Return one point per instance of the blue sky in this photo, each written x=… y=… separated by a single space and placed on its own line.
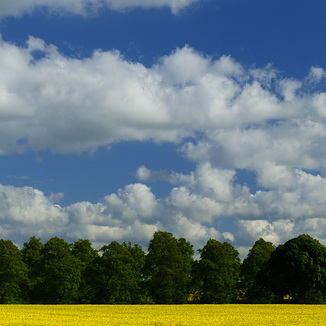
x=205 y=118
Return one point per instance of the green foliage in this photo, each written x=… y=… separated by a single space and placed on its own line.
x=297 y=269
x=61 y=273
x=168 y=268
x=218 y=272
x=82 y=250
x=256 y=260
x=32 y=256
x=13 y=274
x=58 y=272
x=119 y=274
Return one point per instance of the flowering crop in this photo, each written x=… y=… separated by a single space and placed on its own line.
x=90 y=315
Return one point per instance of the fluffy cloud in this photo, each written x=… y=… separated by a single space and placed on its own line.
x=194 y=209
x=233 y=118
x=26 y=211
x=209 y=195
x=145 y=174
x=175 y=5
x=131 y=214
x=85 y=7
x=71 y=105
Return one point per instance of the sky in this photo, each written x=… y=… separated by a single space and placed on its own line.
x=204 y=118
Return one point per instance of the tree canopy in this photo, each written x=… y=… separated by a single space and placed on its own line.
x=218 y=272
x=296 y=269
x=61 y=272
x=13 y=274
x=123 y=273
x=120 y=273
x=256 y=260
x=168 y=267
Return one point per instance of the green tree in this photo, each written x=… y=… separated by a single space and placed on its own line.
x=297 y=269
x=13 y=274
x=256 y=260
x=32 y=252
x=168 y=267
x=82 y=250
x=119 y=274
x=139 y=257
x=218 y=272
x=61 y=273
x=183 y=282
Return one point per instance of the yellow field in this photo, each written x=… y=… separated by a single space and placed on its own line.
x=94 y=315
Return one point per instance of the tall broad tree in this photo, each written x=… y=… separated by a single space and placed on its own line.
x=119 y=273
x=256 y=260
x=218 y=271
x=13 y=274
x=168 y=267
x=82 y=249
x=32 y=252
x=139 y=257
x=297 y=269
x=61 y=273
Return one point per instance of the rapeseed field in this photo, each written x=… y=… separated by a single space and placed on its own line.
x=92 y=315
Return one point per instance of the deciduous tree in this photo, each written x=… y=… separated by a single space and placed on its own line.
x=61 y=272
x=168 y=266
x=120 y=273
x=256 y=260
x=32 y=252
x=13 y=274
x=218 y=271
x=82 y=250
x=297 y=268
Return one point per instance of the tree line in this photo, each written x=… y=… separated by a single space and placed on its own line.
x=121 y=273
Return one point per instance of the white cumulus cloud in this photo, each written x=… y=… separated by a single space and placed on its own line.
x=86 y=7
x=72 y=105
x=192 y=210
x=233 y=118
